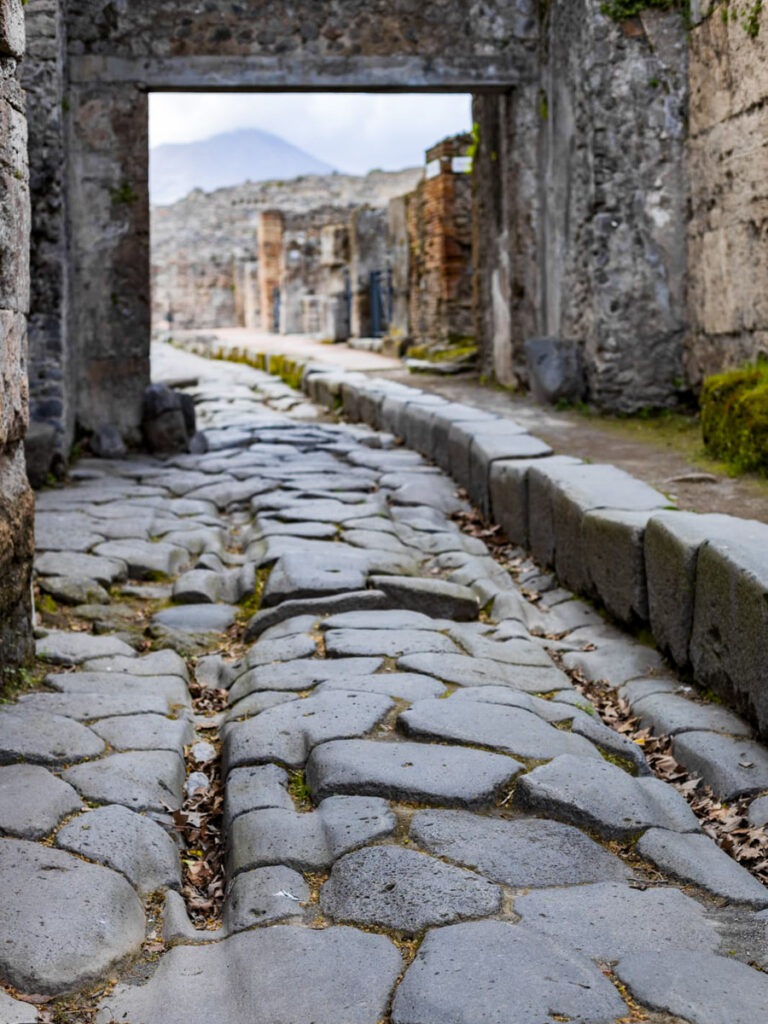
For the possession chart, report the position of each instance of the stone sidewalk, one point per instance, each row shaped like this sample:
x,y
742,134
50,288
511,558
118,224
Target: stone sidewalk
x,y
423,820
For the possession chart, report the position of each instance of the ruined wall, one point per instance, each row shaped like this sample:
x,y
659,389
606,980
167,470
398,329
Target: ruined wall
x,y
728,235
16,500
595,252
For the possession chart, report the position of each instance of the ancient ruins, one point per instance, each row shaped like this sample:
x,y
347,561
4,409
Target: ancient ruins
x,y
329,695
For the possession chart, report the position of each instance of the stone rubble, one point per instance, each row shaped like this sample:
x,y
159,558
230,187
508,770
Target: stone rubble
x,y
423,820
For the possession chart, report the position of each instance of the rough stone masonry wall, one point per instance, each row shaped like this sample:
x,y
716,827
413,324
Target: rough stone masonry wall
x,y
728,235
16,500
582,191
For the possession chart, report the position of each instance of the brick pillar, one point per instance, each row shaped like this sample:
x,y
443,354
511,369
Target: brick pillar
x,y
16,500
270,261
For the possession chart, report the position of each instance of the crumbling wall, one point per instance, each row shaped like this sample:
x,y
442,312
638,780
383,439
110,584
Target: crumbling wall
x,y
16,500
728,148
595,252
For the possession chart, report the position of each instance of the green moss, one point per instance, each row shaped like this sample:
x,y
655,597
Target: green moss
x,y
125,194
620,10
734,417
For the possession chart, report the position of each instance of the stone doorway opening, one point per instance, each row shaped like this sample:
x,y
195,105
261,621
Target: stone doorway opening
x,y
327,216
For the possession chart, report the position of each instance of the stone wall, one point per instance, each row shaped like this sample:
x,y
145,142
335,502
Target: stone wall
x,y
16,500
583,193
728,235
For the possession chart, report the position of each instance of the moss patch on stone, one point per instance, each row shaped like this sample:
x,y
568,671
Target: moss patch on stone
x,y
734,417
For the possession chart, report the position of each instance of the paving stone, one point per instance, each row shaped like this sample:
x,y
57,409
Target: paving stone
x,y
599,796
385,642
378,539
610,920
732,766
521,853
61,648
464,671
299,576
512,730
697,859
333,976
409,771
434,597
45,739
144,558
81,567
398,619
616,663
501,973
135,846
590,726
290,627
73,590
255,787
14,1011
389,887
158,663
696,986
758,812
667,714
119,685
145,732
266,652
401,685
63,923
637,689
264,896
146,780
199,586
197,618
33,802
356,600
258,702
307,842
301,675
289,732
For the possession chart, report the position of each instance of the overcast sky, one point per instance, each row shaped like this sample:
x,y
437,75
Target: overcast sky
x,y
353,132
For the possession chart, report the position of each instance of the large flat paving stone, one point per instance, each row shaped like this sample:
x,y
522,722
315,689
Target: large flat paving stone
x,y
127,842
669,713
86,707
145,558
438,598
286,974
389,618
289,732
518,852
33,802
697,987
609,920
271,651
390,887
697,859
197,618
498,973
598,795
81,567
73,590
402,685
257,702
297,577
158,663
60,648
264,896
145,732
14,1011
41,738
732,766
63,923
144,780
479,671
300,675
409,771
512,730
109,685
388,643
307,842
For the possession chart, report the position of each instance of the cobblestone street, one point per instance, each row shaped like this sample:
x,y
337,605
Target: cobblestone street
x,y
304,751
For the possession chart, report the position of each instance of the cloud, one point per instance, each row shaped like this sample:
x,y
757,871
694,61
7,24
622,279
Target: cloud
x,y
353,132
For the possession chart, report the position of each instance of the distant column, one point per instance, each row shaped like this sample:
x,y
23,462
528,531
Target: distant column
x,y
270,259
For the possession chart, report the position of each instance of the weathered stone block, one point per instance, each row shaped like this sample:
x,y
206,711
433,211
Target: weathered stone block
x,y
729,642
443,422
16,551
14,390
613,542
555,370
488,449
14,229
509,494
11,28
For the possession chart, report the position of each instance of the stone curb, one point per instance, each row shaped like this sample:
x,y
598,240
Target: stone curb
x,y
700,582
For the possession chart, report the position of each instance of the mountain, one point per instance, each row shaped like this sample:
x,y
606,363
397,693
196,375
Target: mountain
x,y
231,158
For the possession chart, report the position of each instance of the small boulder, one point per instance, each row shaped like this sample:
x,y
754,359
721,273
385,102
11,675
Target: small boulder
x,y
555,370
168,419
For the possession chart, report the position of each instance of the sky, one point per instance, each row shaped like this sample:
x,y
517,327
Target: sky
x,y
353,132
